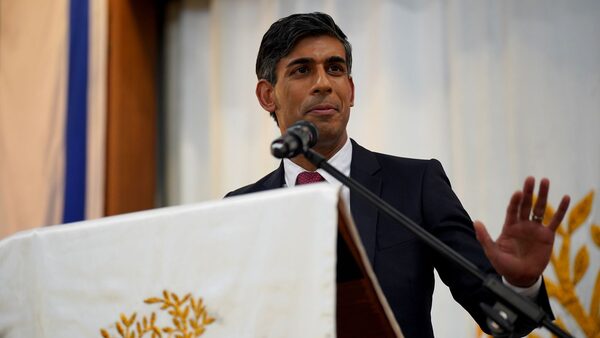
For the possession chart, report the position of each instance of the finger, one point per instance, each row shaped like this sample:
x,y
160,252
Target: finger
x,y
512,211
484,238
525,210
560,213
540,203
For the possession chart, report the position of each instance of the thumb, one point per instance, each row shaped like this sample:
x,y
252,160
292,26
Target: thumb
x,y
484,238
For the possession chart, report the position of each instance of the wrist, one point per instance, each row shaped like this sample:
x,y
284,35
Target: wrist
x,y
523,283
530,292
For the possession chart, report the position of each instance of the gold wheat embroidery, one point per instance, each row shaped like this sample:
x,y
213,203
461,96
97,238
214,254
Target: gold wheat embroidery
x,y
567,279
563,289
188,316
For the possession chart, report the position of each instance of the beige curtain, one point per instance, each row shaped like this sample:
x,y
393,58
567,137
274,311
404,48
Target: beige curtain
x,y
33,82
33,91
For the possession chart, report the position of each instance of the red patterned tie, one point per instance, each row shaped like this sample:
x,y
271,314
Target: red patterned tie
x,y
307,177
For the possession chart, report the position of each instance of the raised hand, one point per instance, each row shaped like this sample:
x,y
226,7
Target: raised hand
x,y
523,249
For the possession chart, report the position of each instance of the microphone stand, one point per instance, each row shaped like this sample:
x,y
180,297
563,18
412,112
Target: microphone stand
x,y
500,318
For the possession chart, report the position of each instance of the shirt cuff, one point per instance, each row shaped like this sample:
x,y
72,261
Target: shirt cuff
x,y
529,292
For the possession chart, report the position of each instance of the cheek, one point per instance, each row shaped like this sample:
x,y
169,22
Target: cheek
x,y
282,99
289,104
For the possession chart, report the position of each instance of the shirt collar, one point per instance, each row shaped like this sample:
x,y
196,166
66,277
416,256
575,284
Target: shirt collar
x,y
340,160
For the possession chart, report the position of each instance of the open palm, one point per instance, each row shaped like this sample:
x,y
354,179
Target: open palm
x,y
523,249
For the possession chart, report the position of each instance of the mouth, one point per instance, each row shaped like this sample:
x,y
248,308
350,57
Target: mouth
x,y
322,109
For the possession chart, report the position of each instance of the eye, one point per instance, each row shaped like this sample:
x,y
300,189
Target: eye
x,y
336,68
300,70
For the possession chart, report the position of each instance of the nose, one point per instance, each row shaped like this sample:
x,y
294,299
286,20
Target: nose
x,y
322,84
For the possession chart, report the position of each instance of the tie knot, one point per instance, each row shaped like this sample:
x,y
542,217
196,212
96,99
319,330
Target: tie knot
x,y
307,177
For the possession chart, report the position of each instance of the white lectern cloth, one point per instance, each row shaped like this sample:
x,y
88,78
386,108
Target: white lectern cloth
x,y
263,263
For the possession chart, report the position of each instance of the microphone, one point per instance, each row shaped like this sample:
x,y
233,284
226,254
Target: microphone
x,y
296,140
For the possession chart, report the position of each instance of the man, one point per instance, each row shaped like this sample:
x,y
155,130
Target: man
x,y
303,68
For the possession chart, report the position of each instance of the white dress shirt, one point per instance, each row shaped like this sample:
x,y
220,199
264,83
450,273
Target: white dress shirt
x,y
341,161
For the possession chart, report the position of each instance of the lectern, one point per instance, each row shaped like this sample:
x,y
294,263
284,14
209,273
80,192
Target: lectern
x,y
284,263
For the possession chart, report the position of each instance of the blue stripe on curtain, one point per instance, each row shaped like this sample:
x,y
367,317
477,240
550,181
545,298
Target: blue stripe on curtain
x,y
76,122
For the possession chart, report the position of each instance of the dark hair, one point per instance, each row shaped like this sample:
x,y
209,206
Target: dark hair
x,y
283,35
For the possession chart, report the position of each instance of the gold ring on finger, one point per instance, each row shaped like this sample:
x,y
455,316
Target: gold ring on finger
x,y
537,218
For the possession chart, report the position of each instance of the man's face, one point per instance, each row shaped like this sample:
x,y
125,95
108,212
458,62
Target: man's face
x,y
313,84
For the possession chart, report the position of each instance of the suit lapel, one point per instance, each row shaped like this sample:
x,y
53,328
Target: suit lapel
x,y
364,169
275,180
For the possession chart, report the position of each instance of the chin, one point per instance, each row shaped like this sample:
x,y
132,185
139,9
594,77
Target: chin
x,y
329,139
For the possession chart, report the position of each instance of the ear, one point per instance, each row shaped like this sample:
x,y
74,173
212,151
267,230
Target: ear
x,y
352,89
265,94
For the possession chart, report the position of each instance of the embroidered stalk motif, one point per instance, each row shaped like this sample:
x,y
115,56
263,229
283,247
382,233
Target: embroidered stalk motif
x,y
188,316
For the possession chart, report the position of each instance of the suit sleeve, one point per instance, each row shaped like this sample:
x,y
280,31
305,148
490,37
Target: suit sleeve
x,y
447,220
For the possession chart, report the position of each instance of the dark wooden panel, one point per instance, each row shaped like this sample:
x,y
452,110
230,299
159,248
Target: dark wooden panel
x,y
132,107
359,310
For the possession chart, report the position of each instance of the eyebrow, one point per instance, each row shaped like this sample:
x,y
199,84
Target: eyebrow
x,y
336,59
303,61
299,61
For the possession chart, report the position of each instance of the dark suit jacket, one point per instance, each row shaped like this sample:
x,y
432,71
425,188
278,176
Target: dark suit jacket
x,y
403,265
